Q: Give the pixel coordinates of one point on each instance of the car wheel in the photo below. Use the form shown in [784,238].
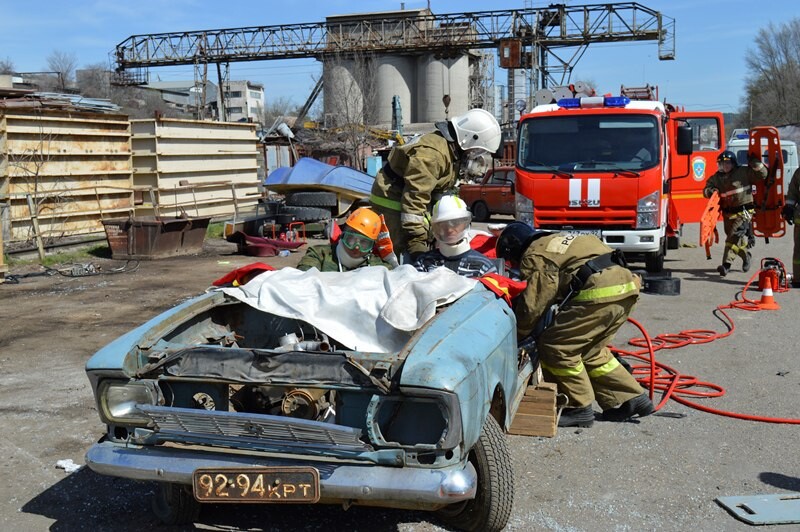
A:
[480,212]
[491,507]
[306,214]
[312,199]
[174,504]
[654,262]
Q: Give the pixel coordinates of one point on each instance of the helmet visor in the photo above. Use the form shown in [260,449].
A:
[357,241]
[451,231]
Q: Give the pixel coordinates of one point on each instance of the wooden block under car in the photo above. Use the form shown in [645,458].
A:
[536,415]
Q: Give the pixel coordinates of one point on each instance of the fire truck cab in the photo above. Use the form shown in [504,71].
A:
[629,171]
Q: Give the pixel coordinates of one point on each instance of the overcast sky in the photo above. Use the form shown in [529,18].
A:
[708,73]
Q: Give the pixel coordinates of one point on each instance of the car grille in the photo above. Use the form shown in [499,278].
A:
[252,431]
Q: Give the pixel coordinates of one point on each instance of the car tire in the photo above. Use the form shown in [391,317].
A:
[491,507]
[306,214]
[312,199]
[174,504]
[480,212]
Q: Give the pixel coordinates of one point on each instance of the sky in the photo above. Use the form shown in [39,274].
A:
[708,73]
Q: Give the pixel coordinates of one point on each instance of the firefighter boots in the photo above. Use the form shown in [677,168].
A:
[724,268]
[577,417]
[746,260]
[638,406]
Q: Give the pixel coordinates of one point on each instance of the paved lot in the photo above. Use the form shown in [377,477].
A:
[662,473]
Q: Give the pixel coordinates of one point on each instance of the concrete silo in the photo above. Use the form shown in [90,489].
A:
[342,90]
[436,77]
[394,76]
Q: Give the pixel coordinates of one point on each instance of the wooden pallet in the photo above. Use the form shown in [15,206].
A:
[536,415]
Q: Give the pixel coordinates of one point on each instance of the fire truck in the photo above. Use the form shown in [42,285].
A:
[629,169]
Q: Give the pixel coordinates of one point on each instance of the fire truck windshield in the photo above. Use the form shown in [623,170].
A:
[589,143]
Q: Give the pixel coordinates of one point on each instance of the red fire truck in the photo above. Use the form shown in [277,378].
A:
[628,168]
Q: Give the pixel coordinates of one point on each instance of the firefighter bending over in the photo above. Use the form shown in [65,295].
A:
[579,294]
[353,249]
[734,184]
[791,213]
[420,172]
[450,224]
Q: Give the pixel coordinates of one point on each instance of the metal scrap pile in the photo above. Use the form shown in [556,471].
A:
[26,99]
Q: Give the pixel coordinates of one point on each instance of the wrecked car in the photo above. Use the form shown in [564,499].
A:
[371,387]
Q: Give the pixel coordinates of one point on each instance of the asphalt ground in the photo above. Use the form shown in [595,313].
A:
[662,472]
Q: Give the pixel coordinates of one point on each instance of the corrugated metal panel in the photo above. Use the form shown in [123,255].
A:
[76,166]
[194,166]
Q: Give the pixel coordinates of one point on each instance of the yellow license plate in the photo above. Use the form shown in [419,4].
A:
[261,484]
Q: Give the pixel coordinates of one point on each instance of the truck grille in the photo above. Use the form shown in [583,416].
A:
[609,218]
[250,431]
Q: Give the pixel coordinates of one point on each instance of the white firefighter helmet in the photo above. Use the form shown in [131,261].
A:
[450,219]
[477,129]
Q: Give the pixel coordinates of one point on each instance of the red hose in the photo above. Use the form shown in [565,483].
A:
[656,376]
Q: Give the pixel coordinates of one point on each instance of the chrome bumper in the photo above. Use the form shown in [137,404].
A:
[338,482]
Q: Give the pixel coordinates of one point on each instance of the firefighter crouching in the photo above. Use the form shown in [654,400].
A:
[417,174]
[791,213]
[735,187]
[578,296]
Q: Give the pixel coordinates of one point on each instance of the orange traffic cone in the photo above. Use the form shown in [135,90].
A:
[768,300]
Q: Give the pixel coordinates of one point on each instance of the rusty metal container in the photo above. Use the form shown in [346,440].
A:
[149,237]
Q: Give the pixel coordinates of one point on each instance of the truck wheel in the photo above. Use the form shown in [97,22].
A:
[312,199]
[480,212]
[491,507]
[174,504]
[673,242]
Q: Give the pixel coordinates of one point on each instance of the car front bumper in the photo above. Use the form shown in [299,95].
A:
[401,487]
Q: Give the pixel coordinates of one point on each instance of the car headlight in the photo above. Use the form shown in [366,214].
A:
[118,400]
[647,211]
[427,419]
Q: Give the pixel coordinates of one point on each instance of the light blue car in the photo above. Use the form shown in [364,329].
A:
[222,400]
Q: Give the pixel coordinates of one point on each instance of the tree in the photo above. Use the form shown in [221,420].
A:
[64,63]
[773,85]
[277,108]
[7,66]
[350,105]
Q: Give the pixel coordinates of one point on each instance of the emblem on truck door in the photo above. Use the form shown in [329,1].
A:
[699,168]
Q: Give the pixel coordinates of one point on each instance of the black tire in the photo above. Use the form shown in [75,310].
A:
[174,504]
[654,262]
[662,285]
[491,508]
[312,199]
[480,212]
[306,214]
[673,242]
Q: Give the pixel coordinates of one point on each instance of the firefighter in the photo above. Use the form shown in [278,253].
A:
[353,249]
[791,213]
[420,172]
[735,187]
[579,294]
[450,224]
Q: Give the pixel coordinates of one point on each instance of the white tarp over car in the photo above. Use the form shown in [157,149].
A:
[369,309]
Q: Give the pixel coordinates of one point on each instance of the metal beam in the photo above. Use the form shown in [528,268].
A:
[547,28]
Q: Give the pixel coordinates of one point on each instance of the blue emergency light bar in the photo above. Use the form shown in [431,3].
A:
[594,101]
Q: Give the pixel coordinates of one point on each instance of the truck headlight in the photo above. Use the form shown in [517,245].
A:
[425,420]
[647,211]
[523,209]
[117,401]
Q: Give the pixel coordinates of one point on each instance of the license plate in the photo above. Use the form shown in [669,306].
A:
[596,232]
[261,485]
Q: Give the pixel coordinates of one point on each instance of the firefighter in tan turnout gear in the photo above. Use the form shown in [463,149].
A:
[791,213]
[735,187]
[579,294]
[417,174]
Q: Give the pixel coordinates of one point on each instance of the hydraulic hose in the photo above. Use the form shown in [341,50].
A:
[657,376]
